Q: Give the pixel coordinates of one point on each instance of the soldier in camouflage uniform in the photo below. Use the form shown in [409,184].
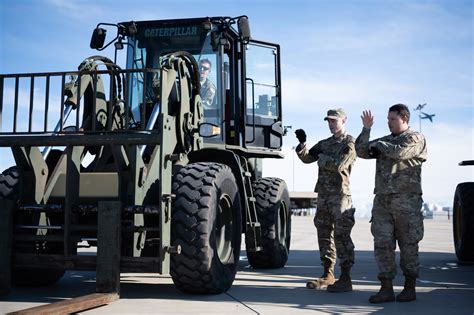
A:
[208,89]
[334,218]
[396,213]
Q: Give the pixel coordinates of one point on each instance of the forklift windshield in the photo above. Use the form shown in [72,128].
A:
[240,77]
[155,40]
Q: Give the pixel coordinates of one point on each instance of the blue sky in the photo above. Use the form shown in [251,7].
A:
[352,54]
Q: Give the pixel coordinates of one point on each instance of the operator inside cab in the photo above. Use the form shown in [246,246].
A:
[209,100]
[208,89]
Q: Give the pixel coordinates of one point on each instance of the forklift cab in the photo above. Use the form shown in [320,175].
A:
[245,74]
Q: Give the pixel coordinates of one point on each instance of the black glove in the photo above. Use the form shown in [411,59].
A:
[300,135]
[374,152]
[314,152]
[376,148]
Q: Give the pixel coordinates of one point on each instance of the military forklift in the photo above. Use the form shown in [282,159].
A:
[122,169]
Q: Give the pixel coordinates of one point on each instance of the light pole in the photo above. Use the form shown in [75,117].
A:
[419,108]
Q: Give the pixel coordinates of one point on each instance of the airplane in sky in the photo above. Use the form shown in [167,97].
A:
[427,116]
[420,106]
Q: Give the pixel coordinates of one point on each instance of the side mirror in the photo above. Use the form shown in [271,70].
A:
[244,29]
[98,38]
[208,130]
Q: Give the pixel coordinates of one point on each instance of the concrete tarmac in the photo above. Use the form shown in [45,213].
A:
[444,286]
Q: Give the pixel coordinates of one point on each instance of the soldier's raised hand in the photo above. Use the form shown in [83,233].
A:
[367,119]
[300,135]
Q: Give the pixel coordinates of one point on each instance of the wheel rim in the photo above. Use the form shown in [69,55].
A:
[282,223]
[224,228]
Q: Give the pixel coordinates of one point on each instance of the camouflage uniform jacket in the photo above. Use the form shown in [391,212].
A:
[399,159]
[208,91]
[335,158]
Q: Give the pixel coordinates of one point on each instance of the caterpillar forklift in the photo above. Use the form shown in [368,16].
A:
[123,169]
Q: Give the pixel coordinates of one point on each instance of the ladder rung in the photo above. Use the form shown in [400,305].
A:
[41,208]
[40,227]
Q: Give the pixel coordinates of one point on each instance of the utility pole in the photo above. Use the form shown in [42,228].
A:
[419,119]
[419,108]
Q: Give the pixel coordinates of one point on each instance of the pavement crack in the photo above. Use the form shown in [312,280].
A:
[239,301]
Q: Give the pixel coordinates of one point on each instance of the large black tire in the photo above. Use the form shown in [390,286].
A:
[10,184]
[10,190]
[207,224]
[463,222]
[273,211]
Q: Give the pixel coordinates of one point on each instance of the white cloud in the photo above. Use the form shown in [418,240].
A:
[309,93]
[310,96]
[391,26]
[447,146]
[77,10]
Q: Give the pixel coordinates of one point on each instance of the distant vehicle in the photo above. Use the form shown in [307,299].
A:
[463,219]
[427,212]
[303,202]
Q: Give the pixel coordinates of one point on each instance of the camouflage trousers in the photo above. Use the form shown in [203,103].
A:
[397,217]
[334,220]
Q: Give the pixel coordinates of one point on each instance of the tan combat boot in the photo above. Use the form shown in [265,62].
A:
[327,278]
[385,294]
[344,283]
[408,293]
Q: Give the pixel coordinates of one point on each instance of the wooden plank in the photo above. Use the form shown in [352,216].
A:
[108,246]
[73,305]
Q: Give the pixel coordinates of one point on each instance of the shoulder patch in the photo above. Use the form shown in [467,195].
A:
[415,137]
[349,139]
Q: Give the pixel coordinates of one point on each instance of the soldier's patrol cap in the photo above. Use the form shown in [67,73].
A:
[335,114]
